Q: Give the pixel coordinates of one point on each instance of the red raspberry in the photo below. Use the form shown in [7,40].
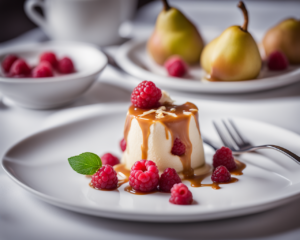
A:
[277,61]
[178,147]
[105,178]
[145,95]
[144,176]
[176,67]
[44,69]
[123,145]
[221,174]
[168,178]
[223,156]
[181,195]
[65,65]
[19,69]
[8,62]
[109,159]
[49,57]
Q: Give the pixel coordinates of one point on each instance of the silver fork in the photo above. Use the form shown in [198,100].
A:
[233,139]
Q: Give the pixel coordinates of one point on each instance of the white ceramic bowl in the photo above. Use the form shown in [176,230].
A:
[52,92]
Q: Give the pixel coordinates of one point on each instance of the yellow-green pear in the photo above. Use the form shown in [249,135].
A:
[284,37]
[234,55]
[174,34]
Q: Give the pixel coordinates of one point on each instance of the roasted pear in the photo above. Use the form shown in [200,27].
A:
[174,34]
[284,37]
[234,55]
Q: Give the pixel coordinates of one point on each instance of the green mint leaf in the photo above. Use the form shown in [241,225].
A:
[86,163]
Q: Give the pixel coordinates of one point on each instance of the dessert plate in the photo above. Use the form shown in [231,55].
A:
[39,164]
[132,57]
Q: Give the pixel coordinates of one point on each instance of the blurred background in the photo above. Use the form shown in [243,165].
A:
[14,22]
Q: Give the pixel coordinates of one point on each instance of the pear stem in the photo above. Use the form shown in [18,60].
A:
[242,6]
[166,5]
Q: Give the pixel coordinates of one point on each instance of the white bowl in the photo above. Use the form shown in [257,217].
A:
[52,92]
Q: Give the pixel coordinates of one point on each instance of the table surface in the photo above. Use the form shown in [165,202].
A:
[24,217]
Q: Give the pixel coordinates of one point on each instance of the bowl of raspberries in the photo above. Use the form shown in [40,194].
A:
[49,75]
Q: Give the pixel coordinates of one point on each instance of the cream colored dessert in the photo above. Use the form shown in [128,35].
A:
[150,135]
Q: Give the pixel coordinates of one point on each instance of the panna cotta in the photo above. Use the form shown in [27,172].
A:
[151,133]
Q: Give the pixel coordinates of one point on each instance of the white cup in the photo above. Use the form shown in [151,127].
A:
[94,21]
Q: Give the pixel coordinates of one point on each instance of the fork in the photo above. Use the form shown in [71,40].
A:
[233,139]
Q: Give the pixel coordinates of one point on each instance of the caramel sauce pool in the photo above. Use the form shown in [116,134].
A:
[196,180]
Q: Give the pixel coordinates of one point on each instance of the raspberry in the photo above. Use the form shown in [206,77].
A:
[181,195]
[123,145]
[109,159]
[49,57]
[277,61]
[176,67]
[65,65]
[144,176]
[178,147]
[44,69]
[168,178]
[223,156]
[8,62]
[19,69]
[105,178]
[221,174]
[145,95]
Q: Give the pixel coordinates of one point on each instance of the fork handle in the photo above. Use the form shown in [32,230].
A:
[286,152]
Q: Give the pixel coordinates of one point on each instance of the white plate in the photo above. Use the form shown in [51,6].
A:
[39,164]
[133,58]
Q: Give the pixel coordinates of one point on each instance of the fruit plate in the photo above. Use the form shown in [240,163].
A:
[39,164]
[133,58]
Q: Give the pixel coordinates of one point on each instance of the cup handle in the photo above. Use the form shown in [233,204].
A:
[33,15]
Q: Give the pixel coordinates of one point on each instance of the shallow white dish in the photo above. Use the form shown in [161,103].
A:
[39,164]
[52,92]
[133,58]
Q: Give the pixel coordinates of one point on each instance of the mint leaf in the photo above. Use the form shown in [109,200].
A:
[86,163]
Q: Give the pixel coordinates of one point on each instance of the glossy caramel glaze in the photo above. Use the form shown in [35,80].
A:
[133,191]
[196,180]
[239,168]
[178,127]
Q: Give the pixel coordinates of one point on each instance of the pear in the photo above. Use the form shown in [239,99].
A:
[174,34]
[234,55]
[284,37]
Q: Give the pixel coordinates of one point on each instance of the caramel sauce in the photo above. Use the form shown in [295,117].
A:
[120,183]
[120,168]
[239,168]
[177,126]
[196,180]
[133,191]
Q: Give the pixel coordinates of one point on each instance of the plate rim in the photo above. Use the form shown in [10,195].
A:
[129,214]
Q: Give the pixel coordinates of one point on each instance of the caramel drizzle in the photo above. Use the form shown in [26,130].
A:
[178,128]
[196,180]
[133,191]
[145,125]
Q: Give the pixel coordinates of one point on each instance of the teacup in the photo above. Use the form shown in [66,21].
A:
[94,21]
